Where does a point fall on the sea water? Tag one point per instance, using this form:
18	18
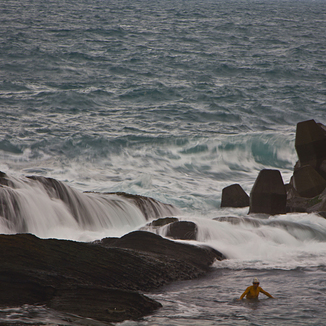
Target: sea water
175	100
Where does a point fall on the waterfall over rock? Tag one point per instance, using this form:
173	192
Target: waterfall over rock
48	208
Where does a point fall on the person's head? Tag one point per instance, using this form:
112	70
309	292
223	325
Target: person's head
255	282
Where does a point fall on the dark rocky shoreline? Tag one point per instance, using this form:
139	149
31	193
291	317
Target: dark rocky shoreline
306	191
102	280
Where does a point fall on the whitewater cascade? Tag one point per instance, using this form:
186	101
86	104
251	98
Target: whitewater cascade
283	241
49	208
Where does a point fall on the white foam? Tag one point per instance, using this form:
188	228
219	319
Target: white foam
284	241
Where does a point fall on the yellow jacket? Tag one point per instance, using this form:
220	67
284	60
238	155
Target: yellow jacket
252	292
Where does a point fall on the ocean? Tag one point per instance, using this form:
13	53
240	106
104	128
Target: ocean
173	100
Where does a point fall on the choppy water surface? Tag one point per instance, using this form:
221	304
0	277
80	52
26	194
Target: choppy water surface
173	100
213	300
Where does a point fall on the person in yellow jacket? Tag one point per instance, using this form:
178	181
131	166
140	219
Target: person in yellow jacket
253	291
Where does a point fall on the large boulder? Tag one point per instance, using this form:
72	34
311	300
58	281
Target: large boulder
268	195
304	192
308	182
234	196
310	143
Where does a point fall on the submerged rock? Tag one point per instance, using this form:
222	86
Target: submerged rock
98	280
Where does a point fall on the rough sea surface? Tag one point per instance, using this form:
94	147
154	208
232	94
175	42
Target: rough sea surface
175	100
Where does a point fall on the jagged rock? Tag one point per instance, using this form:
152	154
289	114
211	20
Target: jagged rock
182	230
310	143
234	196
268	194
93	280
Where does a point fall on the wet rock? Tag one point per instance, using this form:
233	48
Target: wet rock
163	221
234	196
113	305
157	225
308	182
150	207
182	230
151	243
96	280
268	195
